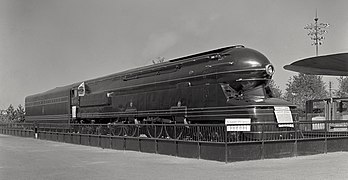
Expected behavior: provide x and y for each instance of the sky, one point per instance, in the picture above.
(48, 43)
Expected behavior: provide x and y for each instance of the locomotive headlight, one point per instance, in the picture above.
(269, 69)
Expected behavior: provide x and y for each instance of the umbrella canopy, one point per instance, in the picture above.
(333, 65)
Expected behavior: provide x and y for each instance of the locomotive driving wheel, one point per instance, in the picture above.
(117, 129)
(175, 130)
(153, 129)
(130, 130)
(125, 127)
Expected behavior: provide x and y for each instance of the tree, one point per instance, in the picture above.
(3, 117)
(342, 87)
(301, 88)
(10, 113)
(20, 114)
(277, 92)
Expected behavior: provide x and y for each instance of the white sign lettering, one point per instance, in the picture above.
(233, 124)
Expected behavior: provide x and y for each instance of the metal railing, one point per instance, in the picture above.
(17, 126)
(219, 142)
(253, 132)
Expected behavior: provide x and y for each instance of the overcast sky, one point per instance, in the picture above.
(50, 43)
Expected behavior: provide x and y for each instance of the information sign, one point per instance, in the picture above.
(234, 124)
(73, 111)
(283, 115)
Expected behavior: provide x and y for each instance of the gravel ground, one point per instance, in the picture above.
(27, 158)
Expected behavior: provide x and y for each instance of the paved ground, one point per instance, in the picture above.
(27, 158)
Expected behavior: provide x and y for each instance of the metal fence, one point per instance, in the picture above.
(219, 142)
(200, 132)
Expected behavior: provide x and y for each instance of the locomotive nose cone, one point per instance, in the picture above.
(249, 58)
(248, 69)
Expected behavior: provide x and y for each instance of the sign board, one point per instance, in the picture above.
(73, 112)
(234, 124)
(316, 125)
(283, 115)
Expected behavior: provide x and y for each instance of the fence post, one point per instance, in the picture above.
(297, 125)
(98, 130)
(110, 138)
(226, 152)
(99, 141)
(262, 142)
(198, 142)
(138, 135)
(124, 143)
(176, 141)
(156, 139)
(325, 144)
(80, 139)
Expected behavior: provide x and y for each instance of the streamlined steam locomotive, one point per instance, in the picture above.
(225, 85)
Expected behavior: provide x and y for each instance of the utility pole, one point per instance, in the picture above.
(316, 31)
(330, 87)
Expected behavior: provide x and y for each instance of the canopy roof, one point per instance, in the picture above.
(333, 65)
